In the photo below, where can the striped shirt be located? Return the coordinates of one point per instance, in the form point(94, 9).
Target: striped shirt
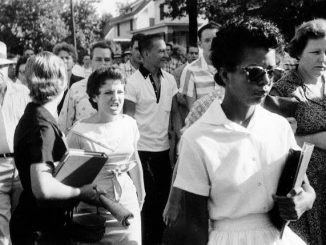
point(197, 80)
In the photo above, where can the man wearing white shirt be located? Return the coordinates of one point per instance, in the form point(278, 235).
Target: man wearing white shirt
point(13, 100)
point(150, 99)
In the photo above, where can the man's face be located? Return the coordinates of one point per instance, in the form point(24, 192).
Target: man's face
point(67, 59)
point(87, 60)
point(206, 39)
point(240, 88)
point(135, 54)
point(192, 54)
point(101, 57)
point(156, 56)
point(169, 50)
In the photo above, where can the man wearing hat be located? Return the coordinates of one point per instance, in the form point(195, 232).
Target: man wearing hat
point(13, 100)
point(126, 56)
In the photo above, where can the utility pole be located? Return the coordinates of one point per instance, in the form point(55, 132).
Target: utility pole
point(193, 25)
point(73, 26)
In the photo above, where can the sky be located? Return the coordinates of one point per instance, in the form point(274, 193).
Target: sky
point(110, 6)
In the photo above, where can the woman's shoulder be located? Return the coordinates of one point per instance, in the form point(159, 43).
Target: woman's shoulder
point(288, 83)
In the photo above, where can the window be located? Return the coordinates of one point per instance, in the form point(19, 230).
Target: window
point(118, 30)
point(161, 11)
point(131, 25)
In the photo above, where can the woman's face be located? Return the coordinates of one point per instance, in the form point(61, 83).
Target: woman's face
point(313, 57)
point(111, 97)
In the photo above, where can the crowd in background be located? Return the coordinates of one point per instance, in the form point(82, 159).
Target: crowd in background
point(204, 132)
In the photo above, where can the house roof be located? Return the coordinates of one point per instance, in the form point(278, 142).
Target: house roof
point(136, 8)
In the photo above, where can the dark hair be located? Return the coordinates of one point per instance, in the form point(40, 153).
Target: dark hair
point(21, 61)
point(147, 42)
point(313, 29)
point(137, 37)
point(170, 45)
point(191, 46)
point(239, 34)
point(65, 47)
point(102, 45)
point(210, 25)
point(98, 78)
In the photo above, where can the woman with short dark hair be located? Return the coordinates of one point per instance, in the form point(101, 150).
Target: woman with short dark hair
point(115, 134)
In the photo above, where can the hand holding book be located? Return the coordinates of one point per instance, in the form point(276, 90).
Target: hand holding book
point(294, 194)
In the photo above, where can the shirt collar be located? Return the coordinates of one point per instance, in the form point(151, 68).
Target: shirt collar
point(216, 116)
point(146, 72)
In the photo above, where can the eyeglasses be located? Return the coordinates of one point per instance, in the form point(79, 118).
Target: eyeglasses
point(256, 73)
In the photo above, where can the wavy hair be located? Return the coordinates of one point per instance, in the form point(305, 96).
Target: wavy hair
point(46, 77)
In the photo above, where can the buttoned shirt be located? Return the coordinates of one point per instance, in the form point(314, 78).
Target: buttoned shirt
point(127, 69)
point(197, 80)
point(152, 108)
point(76, 106)
point(15, 100)
point(238, 168)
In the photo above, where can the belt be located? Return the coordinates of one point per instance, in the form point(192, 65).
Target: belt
point(6, 155)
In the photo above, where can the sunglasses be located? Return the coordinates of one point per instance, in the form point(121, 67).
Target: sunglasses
point(256, 73)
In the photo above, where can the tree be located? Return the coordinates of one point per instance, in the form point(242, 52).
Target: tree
point(89, 26)
point(31, 23)
point(287, 14)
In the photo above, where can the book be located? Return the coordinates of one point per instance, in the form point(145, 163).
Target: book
point(79, 167)
point(291, 178)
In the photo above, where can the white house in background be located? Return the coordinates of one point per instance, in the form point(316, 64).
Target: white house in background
point(147, 17)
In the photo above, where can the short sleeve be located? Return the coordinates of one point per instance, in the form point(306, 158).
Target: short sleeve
point(192, 173)
point(131, 91)
point(41, 144)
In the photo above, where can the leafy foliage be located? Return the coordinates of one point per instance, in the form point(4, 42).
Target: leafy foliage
point(40, 24)
point(287, 14)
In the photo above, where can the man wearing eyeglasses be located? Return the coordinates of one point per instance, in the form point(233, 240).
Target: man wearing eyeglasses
point(231, 158)
point(13, 100)
point(76, 105)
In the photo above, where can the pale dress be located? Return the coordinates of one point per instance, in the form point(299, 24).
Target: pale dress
point(118, 137)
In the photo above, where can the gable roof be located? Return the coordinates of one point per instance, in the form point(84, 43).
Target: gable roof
point(136, 7)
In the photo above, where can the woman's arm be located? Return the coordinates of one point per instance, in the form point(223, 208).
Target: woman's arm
point(318, 139)
point(193, 225)
point(45, 187)
point(136, 174)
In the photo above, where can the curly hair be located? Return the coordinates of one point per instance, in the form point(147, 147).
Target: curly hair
point(238, 35)
point(313, 29)
point(46, 77)
point(98, 78)
point(65, 47)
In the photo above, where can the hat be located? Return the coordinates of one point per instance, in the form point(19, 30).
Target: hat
point(3, 55)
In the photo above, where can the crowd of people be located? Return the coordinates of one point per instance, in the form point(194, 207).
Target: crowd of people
point(203, 133)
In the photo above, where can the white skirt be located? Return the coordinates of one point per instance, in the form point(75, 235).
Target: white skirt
point(253, 229)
